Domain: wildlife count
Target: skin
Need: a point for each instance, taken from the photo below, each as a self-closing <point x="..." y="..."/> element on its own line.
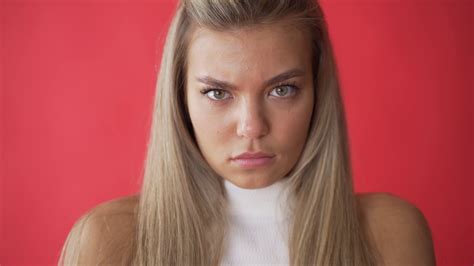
<point x="250" y="115"/>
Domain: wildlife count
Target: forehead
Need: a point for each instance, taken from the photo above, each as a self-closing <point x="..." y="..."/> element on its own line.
<point x="258" y="51"/>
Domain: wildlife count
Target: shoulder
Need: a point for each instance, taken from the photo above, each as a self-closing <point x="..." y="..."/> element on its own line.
<point x="104" y="234"/>
<point x="126" y="205"/>
<point x="398" y="229"/>
<point x="116" y="214"/>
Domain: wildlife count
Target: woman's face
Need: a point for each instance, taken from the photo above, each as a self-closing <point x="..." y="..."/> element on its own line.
<point x="250" y="91"/>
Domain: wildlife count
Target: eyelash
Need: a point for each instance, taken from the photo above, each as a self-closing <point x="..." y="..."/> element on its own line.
<point x="288" y="84"/>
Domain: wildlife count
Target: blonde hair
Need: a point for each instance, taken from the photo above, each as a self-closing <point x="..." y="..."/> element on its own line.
<point x="181" y="216"/>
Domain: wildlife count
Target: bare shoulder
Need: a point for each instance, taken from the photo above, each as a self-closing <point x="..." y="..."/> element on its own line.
<point x="126" y="205"/>
<point x="398" y="229"/>
<point x="103" y="235"/>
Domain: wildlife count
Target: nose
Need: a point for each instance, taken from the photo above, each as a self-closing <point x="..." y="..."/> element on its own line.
<point x="251" y="121"/>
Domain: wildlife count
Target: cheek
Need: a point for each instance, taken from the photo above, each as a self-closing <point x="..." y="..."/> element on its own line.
<point x="291" y="128"/>
<point x="209" y="127"/>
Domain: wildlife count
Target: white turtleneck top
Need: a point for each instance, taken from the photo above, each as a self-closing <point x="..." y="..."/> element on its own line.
<point x="259" y="223"/>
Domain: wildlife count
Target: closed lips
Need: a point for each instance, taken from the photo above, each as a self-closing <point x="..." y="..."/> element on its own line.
<point x="253" y="156"/>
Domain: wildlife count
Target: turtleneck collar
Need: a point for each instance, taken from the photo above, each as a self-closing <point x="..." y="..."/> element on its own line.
<point x="267" y="203"/>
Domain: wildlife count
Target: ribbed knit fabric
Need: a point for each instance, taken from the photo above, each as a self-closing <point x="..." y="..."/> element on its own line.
<point x="259" y="218"/>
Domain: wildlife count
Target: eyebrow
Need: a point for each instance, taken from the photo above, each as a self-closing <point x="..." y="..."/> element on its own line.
<point x="294" y="72"/>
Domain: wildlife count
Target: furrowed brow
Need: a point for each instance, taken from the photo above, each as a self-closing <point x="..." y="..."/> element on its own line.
<point x="295" y="72"/>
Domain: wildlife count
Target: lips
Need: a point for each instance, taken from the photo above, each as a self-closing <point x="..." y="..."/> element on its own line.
<point x="253" y="160"/>
<point x="255" y="155"/>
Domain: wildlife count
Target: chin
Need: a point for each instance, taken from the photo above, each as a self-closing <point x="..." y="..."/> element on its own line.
<point x="251" y="182"/>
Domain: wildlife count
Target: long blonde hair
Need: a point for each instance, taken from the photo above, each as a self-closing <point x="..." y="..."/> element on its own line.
<point x="181" y="216"/>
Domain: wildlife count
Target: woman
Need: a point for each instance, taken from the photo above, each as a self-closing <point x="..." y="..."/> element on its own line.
<point x="248" y="159"/>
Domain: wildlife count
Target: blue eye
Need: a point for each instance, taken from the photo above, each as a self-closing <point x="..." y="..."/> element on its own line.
<point x="284" y="91"/>
<point x="215" y="94"/>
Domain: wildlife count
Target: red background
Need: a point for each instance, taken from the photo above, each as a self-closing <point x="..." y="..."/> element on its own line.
<point x="77" y="82"/>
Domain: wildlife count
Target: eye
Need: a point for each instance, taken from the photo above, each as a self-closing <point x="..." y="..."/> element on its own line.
<point x="284" y="91"/>
<point x="215" y="94"/>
